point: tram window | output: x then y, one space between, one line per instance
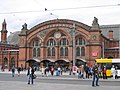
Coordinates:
116 65
108 65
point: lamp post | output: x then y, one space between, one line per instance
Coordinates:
119 40
74 50
74 45
103 49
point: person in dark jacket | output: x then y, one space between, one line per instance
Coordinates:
95 75
13 71
30 74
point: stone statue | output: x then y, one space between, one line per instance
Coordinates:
95 24
95 21
24 27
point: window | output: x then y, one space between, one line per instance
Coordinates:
80 41
49 52
78 51
51 42
51 47
53 51
36 48
61 51
63 41
66 51
34 52
38 51
82 51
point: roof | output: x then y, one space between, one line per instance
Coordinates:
13 38
115 28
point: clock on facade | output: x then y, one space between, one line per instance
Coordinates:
57 34
94 37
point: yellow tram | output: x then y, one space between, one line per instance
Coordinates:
108 63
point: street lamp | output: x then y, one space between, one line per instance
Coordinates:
74 50
73 44
119 40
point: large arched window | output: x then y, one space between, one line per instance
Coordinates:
63 41
51 42
64 47
36 48
80 41
80 47
51 47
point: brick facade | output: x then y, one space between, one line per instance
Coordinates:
41 40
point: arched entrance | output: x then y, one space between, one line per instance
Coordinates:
12 62
47 63
5 63
63 63
33 62
80 62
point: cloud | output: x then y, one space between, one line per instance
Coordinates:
18 12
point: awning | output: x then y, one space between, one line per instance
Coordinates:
33 60
66 60
81 59
51 60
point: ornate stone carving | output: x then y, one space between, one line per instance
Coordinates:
95 24
42 34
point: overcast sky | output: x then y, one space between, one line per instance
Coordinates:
32 12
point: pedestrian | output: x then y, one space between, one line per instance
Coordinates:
86 68
116 73
83 74
95 75
30 74
113 71
79 72
19 69
13 71
52 70
104 72
43 71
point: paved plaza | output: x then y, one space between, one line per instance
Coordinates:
9 85
20 85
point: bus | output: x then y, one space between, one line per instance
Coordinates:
109 63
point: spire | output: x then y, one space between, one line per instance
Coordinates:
95 25
4 32
4 24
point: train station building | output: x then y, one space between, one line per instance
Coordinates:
60 42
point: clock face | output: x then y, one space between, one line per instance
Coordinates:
94 37
57 35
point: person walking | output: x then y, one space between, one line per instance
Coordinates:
113 71
30 74
13 71
19 69
52 70
95 75
86 68
104 72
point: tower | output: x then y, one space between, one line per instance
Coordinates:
4 32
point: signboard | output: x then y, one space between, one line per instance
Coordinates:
74 69
94 54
